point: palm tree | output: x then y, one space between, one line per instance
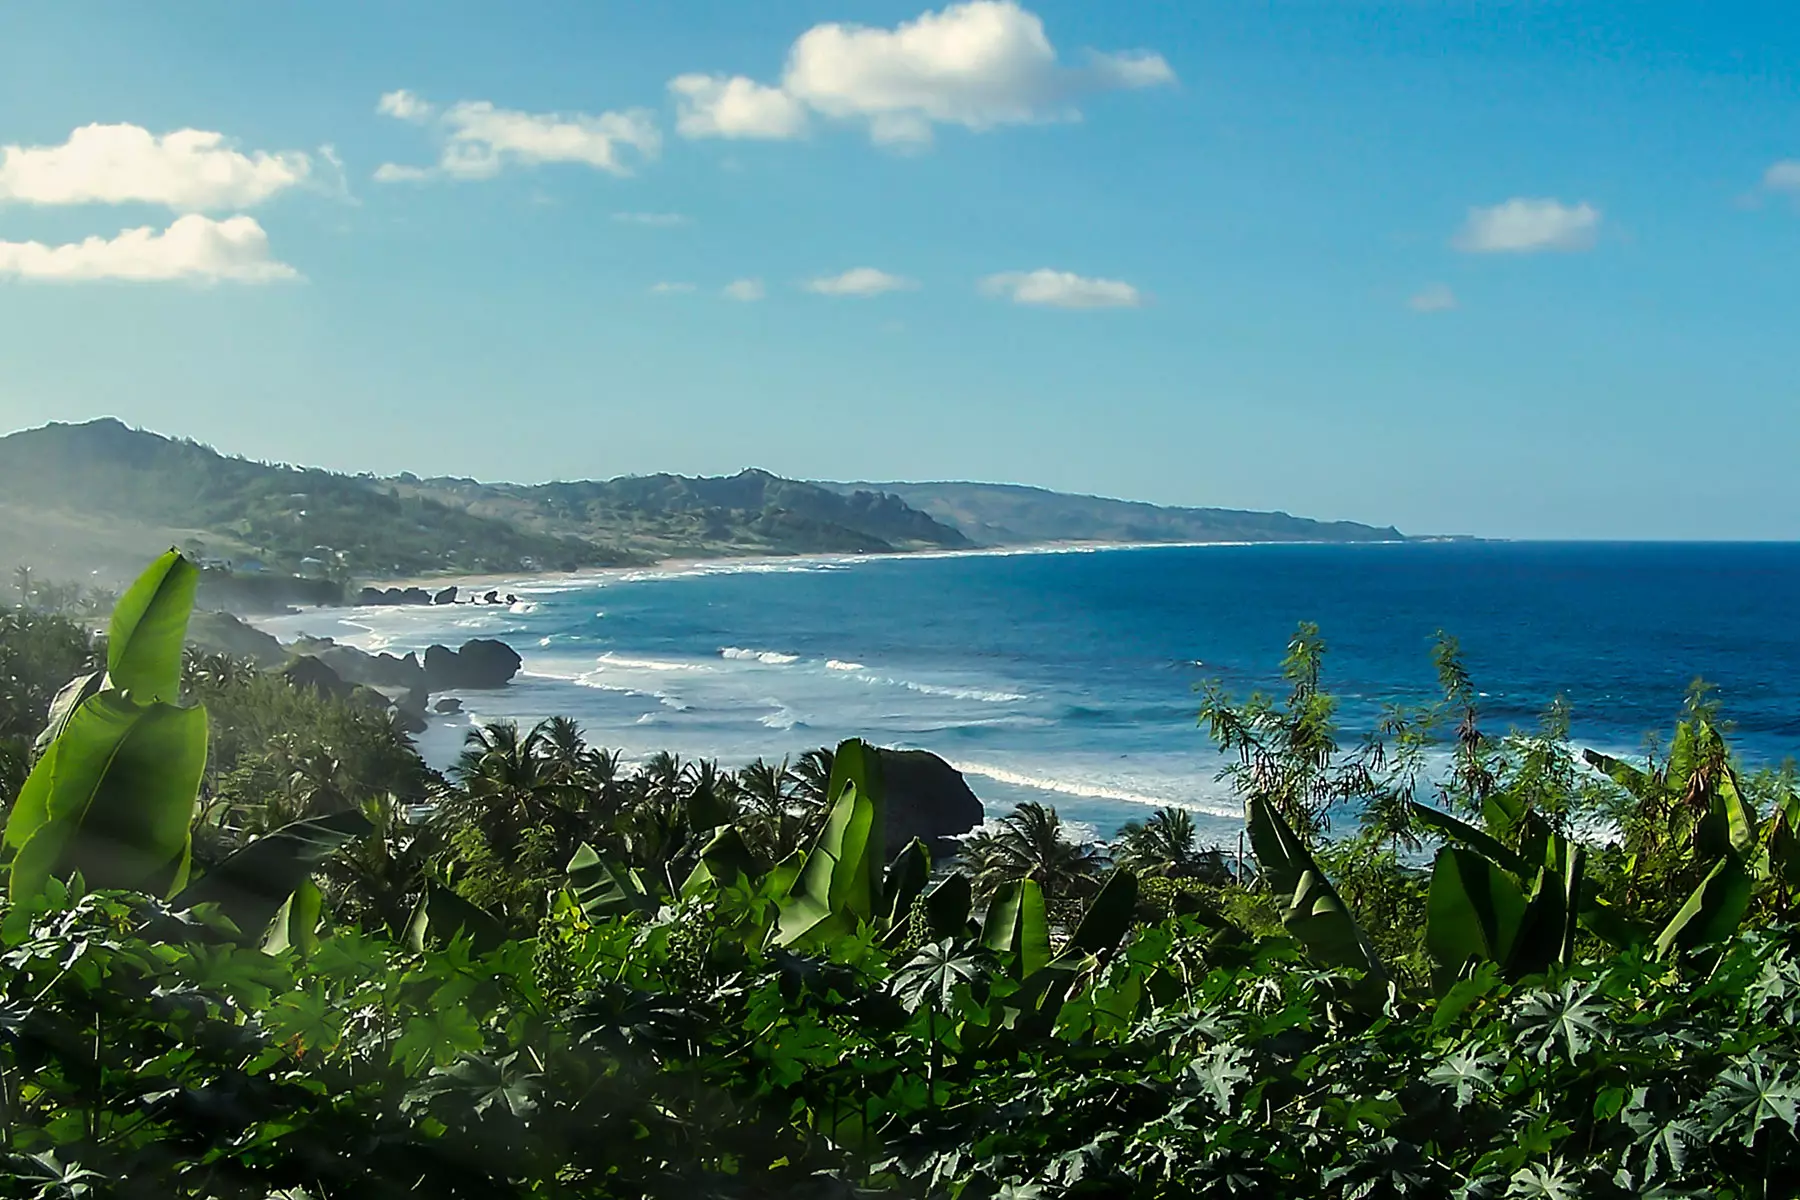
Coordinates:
812 775
1028 843
775 816
1163 844
512 786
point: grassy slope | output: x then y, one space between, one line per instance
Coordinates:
1008 514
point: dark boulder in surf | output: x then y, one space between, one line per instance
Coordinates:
928 799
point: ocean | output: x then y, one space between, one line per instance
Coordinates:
1071 677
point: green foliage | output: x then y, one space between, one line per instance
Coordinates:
839 886
113 791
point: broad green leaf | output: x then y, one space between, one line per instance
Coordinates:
296 923
1108 918
723 862
1312 911
838 885
259 877
1018 925
1712 913
149 627
1473 911
112 798
1731 813
1638 783
1483 843
602 891
441 915
903 881
948 905
74 694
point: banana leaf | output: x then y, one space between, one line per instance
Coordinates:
903 882
948 905
259 878
1473 910
838 887
296 923
1711 913
1312 911
1108 918
1453 830
113 797
1018 927
600 891
724 860
441 916
149 627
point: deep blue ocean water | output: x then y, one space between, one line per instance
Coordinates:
1070 677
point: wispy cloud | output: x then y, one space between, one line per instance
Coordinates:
660 220
479 138
859 281
1528 226
189 170
1061 289
1433 298
668 288
978 65
744 289
1783 177
192 248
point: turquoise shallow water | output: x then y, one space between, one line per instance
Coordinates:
1070 677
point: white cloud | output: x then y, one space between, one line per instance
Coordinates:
480 139
859 281
1061 289
671 289
744 289
398 173
661 220
404 105
1525 226
979 64
188 170
734 107
1436 297
1783 176
194 247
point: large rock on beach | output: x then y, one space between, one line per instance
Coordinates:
481 663
928 799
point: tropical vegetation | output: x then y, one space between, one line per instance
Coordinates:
252 947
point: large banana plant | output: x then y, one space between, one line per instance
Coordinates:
1311 909
117 778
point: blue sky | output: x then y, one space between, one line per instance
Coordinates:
1520 270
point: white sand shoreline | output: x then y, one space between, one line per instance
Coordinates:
518 580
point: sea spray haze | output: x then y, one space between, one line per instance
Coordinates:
1071 678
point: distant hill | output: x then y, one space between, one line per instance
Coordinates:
671 515
100 498
1002 514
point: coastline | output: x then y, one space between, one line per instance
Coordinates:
495 581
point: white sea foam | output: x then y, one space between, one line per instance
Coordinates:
774 658
609 659
949 693
838 664
1094 790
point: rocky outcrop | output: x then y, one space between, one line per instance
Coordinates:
222 633
481 663
447 596
393 595
358 666
928 799
309 674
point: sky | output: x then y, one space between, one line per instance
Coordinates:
1513 270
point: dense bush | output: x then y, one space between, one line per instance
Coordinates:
323 971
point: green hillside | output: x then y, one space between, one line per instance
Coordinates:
999 514
94 499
